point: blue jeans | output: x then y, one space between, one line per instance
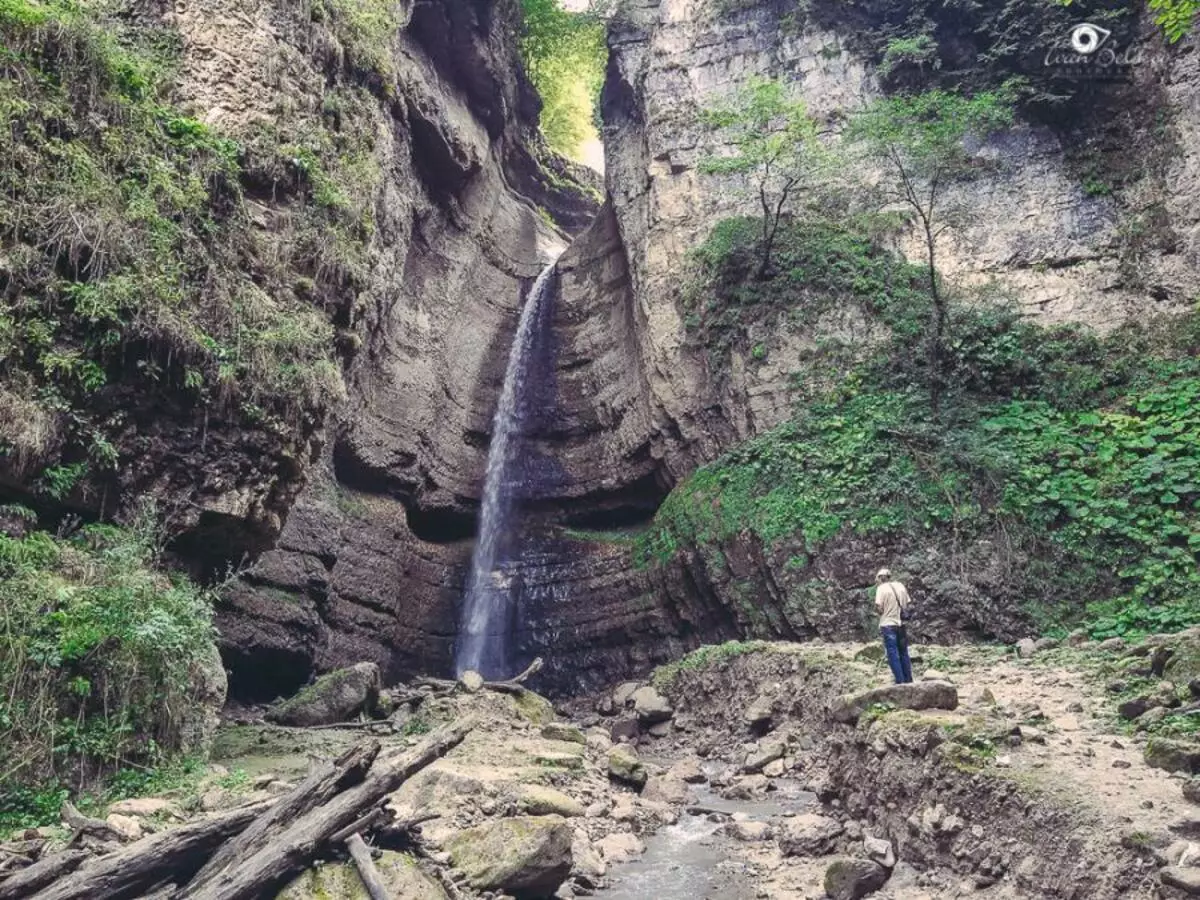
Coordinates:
895 643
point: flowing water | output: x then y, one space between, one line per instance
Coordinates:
487 618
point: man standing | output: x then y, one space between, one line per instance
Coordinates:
891 600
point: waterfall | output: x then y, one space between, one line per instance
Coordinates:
486 627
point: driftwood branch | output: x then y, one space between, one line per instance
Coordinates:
81 825
32 879
287 847
147 863
533 669
366 868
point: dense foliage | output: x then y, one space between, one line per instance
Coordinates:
1079 447
565 55
99 658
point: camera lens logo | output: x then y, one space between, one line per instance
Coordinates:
1086 39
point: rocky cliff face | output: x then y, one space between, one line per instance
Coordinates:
371 561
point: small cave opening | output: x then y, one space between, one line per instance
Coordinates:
264 674
440 524
219 544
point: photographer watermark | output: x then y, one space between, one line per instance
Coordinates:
1091 51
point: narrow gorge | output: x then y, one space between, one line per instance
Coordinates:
487 417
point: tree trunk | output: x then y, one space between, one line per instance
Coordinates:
284 850
366 868
148 862
937 331
27 881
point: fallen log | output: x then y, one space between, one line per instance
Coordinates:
81 825
327 780
532 669
31 879
366 868
146 863
283 850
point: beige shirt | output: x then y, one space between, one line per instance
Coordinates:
890 598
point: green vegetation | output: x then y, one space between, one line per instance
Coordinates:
770 140
702 657
129 256
565 55
100 662
366 30
919 140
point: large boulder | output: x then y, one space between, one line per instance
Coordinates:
539 800
624 765
918 695
1184 878
850 879
1173 755
341 882
651 706
209 686
526 856
809 834
332 698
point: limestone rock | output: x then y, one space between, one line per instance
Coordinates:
759 715
745 787
340 881
748 830
775 768
1191 790
1185 878
524 855
625 729
620 846
1173 755
624 765
688 770
1112 645
623 693
129 828
471 681
766 753
918 695
539 800
850 879
651 706
1026 647
880 851
586 863
808 834
561 731
332 698
665 789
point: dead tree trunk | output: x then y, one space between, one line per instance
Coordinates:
148 862
279 852
366 868
33 878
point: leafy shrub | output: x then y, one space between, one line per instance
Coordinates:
98 652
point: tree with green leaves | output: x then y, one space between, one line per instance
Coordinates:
920 142
769 139
565 55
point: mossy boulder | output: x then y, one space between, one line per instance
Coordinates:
526 856
341 882
624 765
539 800
1173 755
561 731
332 698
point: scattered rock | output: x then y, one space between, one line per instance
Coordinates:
1046 643
918 695
1173 755
665 789
1026 647
659 729
745 787
1075 707
934 675
471 681
759 715
1031 735
126 827
1191 790
689 770
586 863
872 652
651 706
1003 762
620 846
1122 764
142 806
1112 645
622 694
1185 878
766 753
398 871
1150 718
748 831
775 768
523 855
1131 709
987 697
539 800
808 834
850 879
624 765
1077 638
880 851
625 729
332 698
561 731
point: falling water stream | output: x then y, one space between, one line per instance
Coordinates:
486 628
